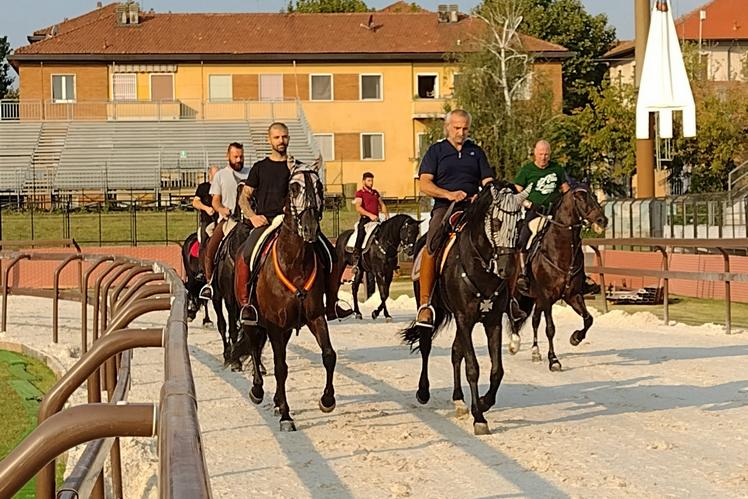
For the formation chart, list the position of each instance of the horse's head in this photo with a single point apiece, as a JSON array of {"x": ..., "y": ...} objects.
[
  {"x": 499, "y": 209},
  {"x": 305, "y": 201},
  {"x": 586, "y": 209},
  {"x": 409, "y": 233}
]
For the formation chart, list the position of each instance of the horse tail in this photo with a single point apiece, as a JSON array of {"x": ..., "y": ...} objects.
[{"x": 442, "y": 317}]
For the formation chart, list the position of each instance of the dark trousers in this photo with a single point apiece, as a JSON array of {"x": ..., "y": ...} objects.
[{"x": 360, "y": 233}]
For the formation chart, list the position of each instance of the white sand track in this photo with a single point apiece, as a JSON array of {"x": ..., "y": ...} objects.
[{"x": 641, "y": 410}]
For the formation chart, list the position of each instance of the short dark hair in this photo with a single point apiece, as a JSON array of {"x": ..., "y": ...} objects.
[
  {"x": 279, "y": 125},
  {"x": 235, "y": 145},
  {"x": 367, "y": 175}
]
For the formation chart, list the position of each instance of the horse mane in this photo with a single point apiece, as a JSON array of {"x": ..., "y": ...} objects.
[
  {"x": 478, "y": 208},
  {"x": 389, "y": 228}
]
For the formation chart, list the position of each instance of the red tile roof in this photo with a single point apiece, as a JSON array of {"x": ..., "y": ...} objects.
[
  {"x": 403, "y": 6},
  {"x": 622, "y": 49},
  {"x": 77, "y": 22},
  {"x": 265, "y": 36},
  {"x": 725, "y": 20}
]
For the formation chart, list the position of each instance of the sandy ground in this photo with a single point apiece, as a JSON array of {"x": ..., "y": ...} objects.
[{"x": 641, "y": 410}]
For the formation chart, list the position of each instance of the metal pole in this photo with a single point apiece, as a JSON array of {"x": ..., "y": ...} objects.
[{"x": 728, "y": 297}]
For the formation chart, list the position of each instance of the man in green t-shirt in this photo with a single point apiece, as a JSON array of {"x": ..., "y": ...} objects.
[{"x": 547, "y": 181}]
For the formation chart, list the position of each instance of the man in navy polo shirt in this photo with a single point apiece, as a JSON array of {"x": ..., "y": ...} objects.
[
  {"x": 453, "y": 169},
  {"x": 368, "y": 204}
]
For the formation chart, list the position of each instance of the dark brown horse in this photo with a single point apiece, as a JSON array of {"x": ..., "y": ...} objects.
[
  {"x": 556, "y": 267},
  {"x": 473, "y": 288},
  {"x": 195, "y": 280},
  {"x": 289, "y": 294}
]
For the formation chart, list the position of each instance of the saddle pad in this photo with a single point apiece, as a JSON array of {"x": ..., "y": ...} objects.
[
  {"x": 536, "y": 225},
  {"x": 269, "y": 229},
  {"x": 368, "y": 231},
  {"x": 415, "y": 273},
  {"x": 195, "y": 249},
  {"x": 455, "y": 219}
]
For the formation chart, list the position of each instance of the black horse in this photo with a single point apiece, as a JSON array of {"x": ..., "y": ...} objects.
[
  {"x": 195, "y": 280},
  {"x": 380, "y": 260},
  {"x": 472, "y": 288},
  {"x": 556, "y": 267},
  {"x": 223, "y": 292}
]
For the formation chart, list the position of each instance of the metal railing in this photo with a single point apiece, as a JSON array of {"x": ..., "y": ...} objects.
[
  {"x": 737, "y": 181},
  {"x": 124, "y": 290},
  {"x": 666, "y": 247}
]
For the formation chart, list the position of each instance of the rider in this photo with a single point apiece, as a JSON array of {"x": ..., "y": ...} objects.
[
  {"x": 368, "y": 204},
  {"x": 202, "y": 202},
  {"x": 267, "y": 184},
  {"x": 452, "y": 170},
  {"x": 548, "y": 182},
  {"x": 223, "y": 189}
]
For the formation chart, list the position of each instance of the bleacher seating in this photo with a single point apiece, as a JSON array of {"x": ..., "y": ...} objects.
[{"x": 17, "y": 143}]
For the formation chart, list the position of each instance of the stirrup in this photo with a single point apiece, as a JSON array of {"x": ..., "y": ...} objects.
[
  {"x": 249, "y": 315},
  {"x": 339, "y": 312},
  {"x": 206, "y": 292},
  {"x": 422, "y": 323},
  {"x": 516, "y": 313}
]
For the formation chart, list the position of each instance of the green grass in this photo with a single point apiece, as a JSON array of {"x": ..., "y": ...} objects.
[{"x": 23, "y": 382}]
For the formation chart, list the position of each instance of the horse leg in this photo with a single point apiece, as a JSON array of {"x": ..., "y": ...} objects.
[
  {"x": 318, "y": 327},
  {"x": 493, "y": 333},
  {"x": 550, "y": 331},
  {"x": 221, "y": 324},
  {"x": 279, "y": 341},
  {"x": 535, "y": 350},
  {"x": 424, "y": 345},
  {"x": 472, "y": 372},
  {"x": 576, "y": 302},
  {"x": 382, "y": 296},
  {"x": 257, "y": 339},
  {"x": 385, "y": 296},
  {"x": 457, "y": 396},
  {"x": 206, "y": 319},
  {"x": 354, "y": 289},
  {"x": 233, "y": 321}
]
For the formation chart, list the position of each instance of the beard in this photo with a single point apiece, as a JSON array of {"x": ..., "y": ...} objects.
[
  {"x": 238, "y": 165},
  {"x": 280, "y": 148}
]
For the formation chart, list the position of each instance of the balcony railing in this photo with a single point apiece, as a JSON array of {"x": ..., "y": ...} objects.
[{"x": 183, "y": 109}]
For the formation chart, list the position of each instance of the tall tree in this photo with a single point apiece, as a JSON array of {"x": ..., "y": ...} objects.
[
  {"x": 6, "y": 80},
  {"x": 567, "y": 23},
  {"x": 326, "y": 6}
]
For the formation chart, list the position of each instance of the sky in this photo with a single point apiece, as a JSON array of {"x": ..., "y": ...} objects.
[{"x": 19, "y": 19}]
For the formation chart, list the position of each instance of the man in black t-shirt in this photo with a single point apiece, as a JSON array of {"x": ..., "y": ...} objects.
[
  {"x": 203, "y": 203},
  {"x": 267, "y": 185}
]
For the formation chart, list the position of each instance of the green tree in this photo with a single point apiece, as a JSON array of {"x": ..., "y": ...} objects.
[
  {"x": 326, "y": 6},
  {"x": 6, "y": 80},
  {"x": 567, "y": 23}
]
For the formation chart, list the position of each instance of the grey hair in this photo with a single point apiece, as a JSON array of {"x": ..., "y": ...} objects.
[
  {"x": 542, "y": 142},
  {"x": 457, "y": 112}
]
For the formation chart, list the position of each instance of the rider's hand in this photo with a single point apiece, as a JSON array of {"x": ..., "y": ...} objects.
[
  {"x": 456, "y": 196},
  {"x": 210, "y": 211},
  {"x": 258, "y": 220},
  {"x": 224, "y": 212},
  {"x": 527, "y": 204},
  {"x": 373, "y": 218}
]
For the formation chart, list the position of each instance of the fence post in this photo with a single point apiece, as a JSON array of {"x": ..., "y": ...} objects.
[{"x": 728, "y": 297}]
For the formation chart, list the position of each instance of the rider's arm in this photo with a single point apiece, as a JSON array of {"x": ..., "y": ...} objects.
[
  {"x": 198, "y": 205},
  {"x": 565, "y": 187},
  {"x": 244, "y": 203},
  {"x": 429, "y": 188},
  {"x": 383, "y": 209},
  {"x": 218, "y": 206},
  {"x": 358, "y": 205},
  {"x": 486, "y": 180}
]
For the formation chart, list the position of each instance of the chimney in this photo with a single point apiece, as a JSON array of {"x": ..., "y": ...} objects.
[
  {"x": 127, "y": 13},
  {"x": 454, "y": 14},
  {"x": 448, "y": 13},
  {"x": 98, "y": 5}
]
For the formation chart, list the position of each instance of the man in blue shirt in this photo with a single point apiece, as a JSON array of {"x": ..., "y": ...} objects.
[{"x": 452, "y": 170}]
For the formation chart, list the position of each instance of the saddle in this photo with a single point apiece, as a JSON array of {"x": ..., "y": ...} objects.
[
  {"x": 370, "y": 229},
  {"x": 195, "y": 249},
  {"x": 538, "y": 227},
  {"x": 453, "y": 226}
]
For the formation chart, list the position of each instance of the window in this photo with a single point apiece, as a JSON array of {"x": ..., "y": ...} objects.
[
  {"x": 455, "y": 81},
  {"x": 371, "y": 87},
  {"x": 125, "y": 86},
  {"x": 220, "y": 88},
  {"x": 524, "y": 91},
  {"x": 162, "y": 87},
  {"x": 428, "y": 87},
  {"x": 421, "y": 144},
  {"x": 271, "y": 87},
  {"x": 326, "y": 142},
  {"x": 320, "y": 87},
  {"x": 372, "y": 146},
  {"x": 63, "y": 88}
]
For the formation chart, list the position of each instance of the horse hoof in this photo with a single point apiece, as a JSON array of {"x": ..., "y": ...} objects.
[
  {"x": 555, "y": 366},
  {"x": 423, "y": 398},
  {"x": 236, "y": 367},
  {"x": 575, "y": 338},
  {"x": 326, "y": 409},
  {"x": 536, "y": 357},
  {"x": 374, "y": 315},
  {"x": 481, "y": 429},
  {"x": 359, "y": 316},
  {"x": 287, "y": 426},
  {"x": 388, "y": 319},
  {"x": 208, "y": 324},
  {"x": 461, "y": 409},
  {"x": 514, "y": 343},
  {"x": 256, "y": 399}
]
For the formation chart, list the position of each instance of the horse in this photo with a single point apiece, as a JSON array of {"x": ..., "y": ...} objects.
[
  {"x": 289, "y": 294},
  {"x": 195, "y": 280},
  {"x": 556, "y": 267},
  {"x": 472, "y": 287},
  {"x": 380, "y": 260},
  {"x": 223, "y": 293}
]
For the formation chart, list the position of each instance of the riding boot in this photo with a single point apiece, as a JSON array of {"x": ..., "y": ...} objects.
[
  {"x": 523, "y": 281},
  {"x": 209, "y": 261},
  {"x": 425, "y": 317},
  {"x": 248, "y": 315},
  {"x": 334, "y": 309}
]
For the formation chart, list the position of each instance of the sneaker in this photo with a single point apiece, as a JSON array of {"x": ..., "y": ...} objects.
[
  {"x": 248, "y": 315},
  {"x": 523, "y": 285},
  {"x": 425, "y": 317},
  {"x": 339, "y": 311},
  {"x": 206, "y": 293}
]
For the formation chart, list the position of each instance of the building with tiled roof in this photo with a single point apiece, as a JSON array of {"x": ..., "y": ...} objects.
[
  {"x": 368, "y": 83},
  {"x": 722, "y": 30}
]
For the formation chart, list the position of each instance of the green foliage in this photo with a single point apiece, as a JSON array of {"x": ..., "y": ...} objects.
[
  {"x": 567, "y": 23},
  {"x": 326, "y": 6},
  {"x": 5, "y": 77}
]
